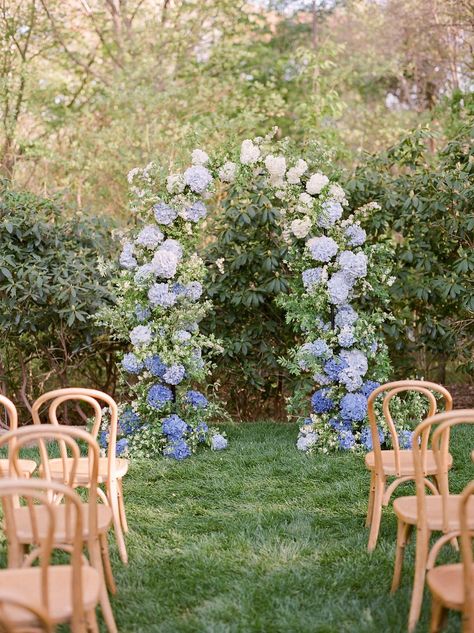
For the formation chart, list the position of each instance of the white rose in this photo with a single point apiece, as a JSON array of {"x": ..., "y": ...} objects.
[
  {"x": 228, "y": 172},
  {"x": 249, "y": 153},
  {"x": 306, "y": 199},
  {"x": 175, "y": 183},
  {"x": 316, "y": 183},
  {"x": 301, "y": 228},
  {"x": 198, "y": 157}
]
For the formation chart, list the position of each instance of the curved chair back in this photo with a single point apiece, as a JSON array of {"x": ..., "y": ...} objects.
[
  {"x": 35, "y": 495},
  {"x": 33, "y": 613},
  {"x": 391, "y": 389},
  {"x": 92, "y": 397},
  {"x": 12, "y": 414},
  {"x": 466, "y": 552}
]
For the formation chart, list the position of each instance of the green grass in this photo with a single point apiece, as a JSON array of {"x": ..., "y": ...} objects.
[{"x": 261, "y": 538}]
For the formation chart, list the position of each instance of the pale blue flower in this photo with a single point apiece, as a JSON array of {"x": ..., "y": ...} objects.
[
  {"x": 346, "y": 337},
  {"x": 121, "y": 447},
  {"x": 149, "y": 237},
  {"x": 164, "y": 214},
  {"x": 177, "y": 450},
  {"x": 305, "y": 442},
  {"x": 182, "y": 336},
  {"x": 353, "y": 407},
  {"x": 331, "y": 213},
  {"x": 339, "y": 288},
  {"x": 353, "y": 265},
  {"x": 164, "y": 263},
  {"x": 405, "y": 439},
  {"x": 346, "y": 440},
  {"x": 355, "y": 359},
  {"x": 333, "y": 367},
  {"x": 127, "y": 259},
  {"x": 346, "y": 316},
  {"x": 311, "y": 277},
  {"x": 174, "y": 427},
  {"x": 144, "y": 273},
  {"x": 160, "y": 295},
  {"x": 141, "y": 335},
  {"x": 218, "y": 442},
  {"x": 131, "y": 364},
  {"x": 322, "y": 249},
  {"x": 142, "y": 313},
  {"x": 197, "y": 211},
  {"x": 198, "y": 178},
  {"x": 158, "y": 396},
  {"x": 174, "y": 246},
  {"x": 366, "y": 438},
  {"x": 174, "y": 374},
  {"x": 193, "y": 290},
  {"x": 350, "y": 378},
  {"x": 356, "y": 235}
]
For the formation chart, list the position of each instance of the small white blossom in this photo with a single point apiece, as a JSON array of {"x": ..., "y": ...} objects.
[
  {"x": 220, "y": 265},
  {"x": 337, "y": 193},
  {"x": 228, "y": 172},
  {"x": 276, "y": 166},
  {"x": 249, "y": 153},
  {"x": 280, "y": 194},
  {"x": 198, "y": 157},
  {"x": 132, "y": 173},
  {"x": 294, "y": 173},
  {"x": 301, "y": 228},
  {"x": 175, "y": 183},
  {"x": 306, "y": 199},
  {"x": 316, "y": 183}
]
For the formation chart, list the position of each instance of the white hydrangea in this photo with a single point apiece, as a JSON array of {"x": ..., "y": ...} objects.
[
  {"x": 199, "y": 157},
  {"x": 276, "y": 166},
  {"x": 228, "y": 172},
  {"x": 306, "y": 199},
  {"x": 337, "y": 193},
  {"x": 175, "y": 183},
  {"x": 249, "y": 153},
  {"x": 294, "y": 173},
  {"x": 316, "y": 183},
  {"x": 301, "y": 228},
  {"x": 165, "y": 263}
]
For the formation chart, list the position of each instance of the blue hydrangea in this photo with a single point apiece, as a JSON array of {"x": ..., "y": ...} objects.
[
  {"x": 333, "y": 367},
  {"x": 346, "y": 337},
  {"x": 321, "y": 379},
  {"x": 355, "y": 359},
  {"x": 340, "y": 425},
  {"x": 164, "y": 263},
  {"x": 353, "y": 407},
  {"x": 164, "y": 214},
  {"x": 174, "y": 374},
  {"x": 218, "y": 442},
  {"x": 131, "y": 364},
  {"x": 177, "y": 450},
  {"x": 178, "y": 289},
  {"x": 158, "y": 396},
  {"x": 149, "y": 237},
  {"x": 356, "y": 235},
  {"x": 339, "y": 287},
  {"x": 322, "y": 249},
  {"x": 366, "y": 438},
  {"x": 345, "y": 316},
  {"x": 160, "y": 295},
  {"x": 368, "y": 387},
  {"x": 305, "y": 442},
  {"x": 197, "y": 211},
  {"x": 129, "y": 421},
  {"x": 174, "y": 246},
  {"x": 374, "y": 347},
  {"x": 353, "y": 265},
  {"x": 346, "y": 440},
  {"x": 182, "y": 336},
  {"x": 311, "y": 277},
  {"x": 141, "y": 335},
  {"x": 144, "y": 273},
  {"x": 350, "y": 378},
  {"x": 321, "y": 402},
  {"x": 197, "y": 357},
  {"x": 331, "y": 212},
  {"x": 202, "y": 430},
  {"x": 103, "y": 439},
  {"x": 127, "y": 260},
  {"x": 196, "y": 399},
  {"x": 174, "y": 427},
  {"x": 316, "y": 348},
  {"x": 405, "y": 439},
  {"x": 155, "y": 366},
  {"x": 198, "y": 178},
  {"x": 193, "y": 290},
  {"x": 143, "y": 313},
  {"x": 121, "y": 447}
]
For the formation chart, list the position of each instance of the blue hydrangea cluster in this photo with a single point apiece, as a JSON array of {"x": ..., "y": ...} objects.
[
  {"x": 149, "y": 237},
  {"x": 155, "y": 366},
  {"x": 355, "y": 235},
  {"x": 311, "y": 277},
  {"x": 129, "y": 421},
  {"x": 331, "y": 213},
  {"x": 164, "y": 214},
  {"x": 127, "y": 259},
  {"x": 193, "y": 290},
  {"x": 174, "y": 427},
  {"x": 218, "y": 442},
  {"x": 366, "y": 438},
  {"x": 144, "y": 273},
  {"x": 339, "y": 287},
  {"x": 198, "y": 178},
  {"x": 174, "y": 246},
  {"x": 158, "y": 396},
  {"x": 196, "y": 399},
  {"x": 197, "y": 211},
  {"x": 160, "y": 295},
  {"x": 141, "y": 335},
  {"x": 353, "y": 407},
  {"x": 177, "y": 450},
  {"x": 346, "y": 316},
  {"x": 321, "y": 402},
  {"x": 131, "y": 364},
  {"x": 121, "y": 447},
  {"x": 323, "y": 248},
  {"x": 143, "y": 313},
  {"x": 333, "y": 367},
  {"x": 174, "y": 374},
  {"x": 353, "y": 265}
]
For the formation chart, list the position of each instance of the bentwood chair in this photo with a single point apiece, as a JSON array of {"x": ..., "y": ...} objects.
[
  {"x": 452, "y": 586},
  {"x": 396, "y": 463},
  {"x": 97, "y": 518},
  {"x": 111, "y": 468},
  {"x": 65, "y": 593},
  {"x": 28, "y": 466},
  {"x": 35, "y": 617},
  {"x": 429, "y": 513}
]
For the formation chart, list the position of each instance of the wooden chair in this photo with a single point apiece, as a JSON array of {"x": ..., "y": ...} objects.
[
  {"x": 28, "y": 466},
  {"x": 96, "y": 518},
  {"x": 111, "y": 469},
  {"x": 429, "y": 513},
  {"x": 452, "y": 586},
  {"x": 36, "y": 616},
  {"x": 62, "y": 593},
  {"x": 396, "y": 463}
]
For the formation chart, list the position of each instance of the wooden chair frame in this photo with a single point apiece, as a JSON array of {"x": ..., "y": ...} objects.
[
  {"x": 380, "y": 494},
  {"x": 7, "y": 626},
  {"x": 114, "y": 489},
  {"x": 28, "y": 466}
]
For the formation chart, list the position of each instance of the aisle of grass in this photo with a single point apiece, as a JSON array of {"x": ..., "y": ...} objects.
[{"x": 260, "y": 538}]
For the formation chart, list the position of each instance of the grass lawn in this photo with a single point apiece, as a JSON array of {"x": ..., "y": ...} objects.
[{"x": 261, "y": 538}]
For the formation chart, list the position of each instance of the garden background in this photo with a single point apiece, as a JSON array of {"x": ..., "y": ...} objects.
[{"x": 380, "y": 92}]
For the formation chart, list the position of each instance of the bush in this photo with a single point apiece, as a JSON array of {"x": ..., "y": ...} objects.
[
  {"x": 50, "y": 286},
  {"x": 427, "y": 212}
]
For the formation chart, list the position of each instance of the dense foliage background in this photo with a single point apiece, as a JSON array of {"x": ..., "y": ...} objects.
[{"x": 90, "y": 90}]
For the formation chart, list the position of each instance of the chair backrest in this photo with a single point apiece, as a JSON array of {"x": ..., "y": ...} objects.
[
  {"x": 35, "y": 495},
  {"x": 41, "y": 435},
  {"x": 392, "y": 389},
  {"x": 92, "y": 397},
  {"x": 466, "y": 552},
  {"x": 12, "y": 414},
  {"x": 11, "y": 609}
]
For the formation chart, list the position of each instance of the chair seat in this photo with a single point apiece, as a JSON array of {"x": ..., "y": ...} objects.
[
  {"x": 28, "y": 467},
  {"x": 407, "y": 468},
  {"x": 25, "y": 533},
  {"x": 405, "y": 508},
  {"x": 82, "y": 474},
  {"x": 24, "y": 583},
  {"x": 446, "y": 583}
]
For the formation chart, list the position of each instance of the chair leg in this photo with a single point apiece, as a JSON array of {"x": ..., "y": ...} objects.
[
  {"x": 403, "y": 530},
  {"x": 104, "y": 601},
  {"x": 376, "y": 513},
  {"x": 422, "y": 545},
  {"x": 92, "y": 625},
  {"x": 112, "y": 493},
  {"x": 438, "y": 615},
  {"x": 123, "y": 516},
  {"x": 109, "y": 575},
  {"x": 370, "y": 508}
]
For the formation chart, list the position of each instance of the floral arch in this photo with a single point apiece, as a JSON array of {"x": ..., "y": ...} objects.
[{"x": 337, "y": 303}]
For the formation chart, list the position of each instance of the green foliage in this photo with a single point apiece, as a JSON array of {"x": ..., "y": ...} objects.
[
  {"x": 246, "y": 272},
  {"x": 50, "y": 285},
  {"x": 427, "y": 213}
]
